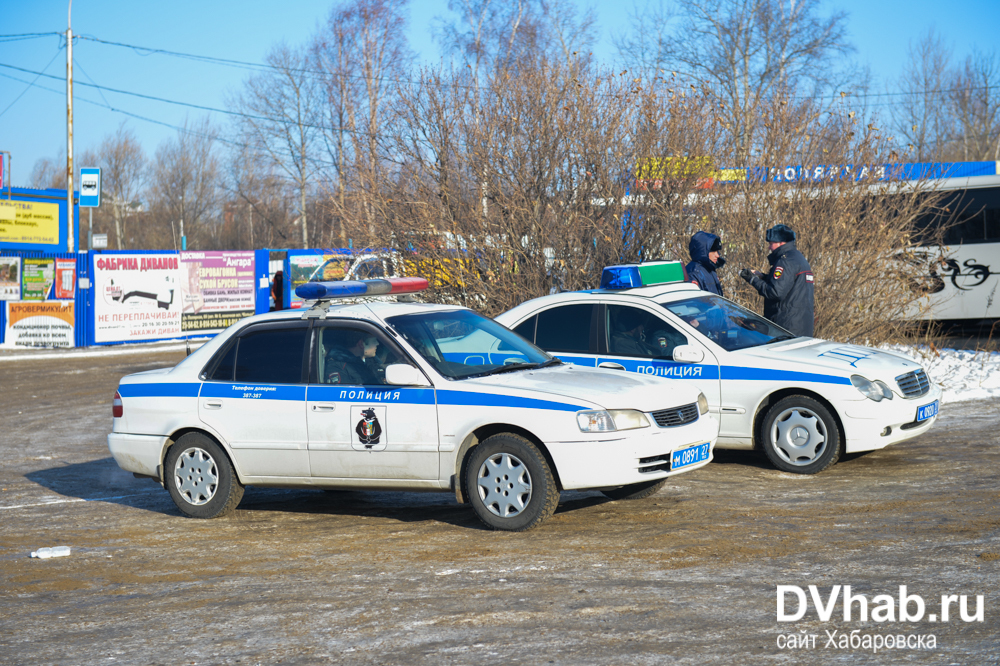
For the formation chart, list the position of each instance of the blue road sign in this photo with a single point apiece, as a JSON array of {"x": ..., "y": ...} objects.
[{"x": 90, "y": 187}]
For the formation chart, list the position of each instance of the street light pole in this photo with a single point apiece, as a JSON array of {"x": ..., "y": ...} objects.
[{"x": 70, "y": 235}]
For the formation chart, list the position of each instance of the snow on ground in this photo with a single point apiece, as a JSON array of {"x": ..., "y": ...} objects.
[{"x": 962, "y": 374}]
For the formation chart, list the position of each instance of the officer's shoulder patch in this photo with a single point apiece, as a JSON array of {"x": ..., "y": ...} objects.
[{"x": 777, "y": 272}]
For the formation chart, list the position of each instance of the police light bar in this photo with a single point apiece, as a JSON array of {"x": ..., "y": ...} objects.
[
  {"x": 628, "y": 276},
  {"x": 356, "y": 288}
]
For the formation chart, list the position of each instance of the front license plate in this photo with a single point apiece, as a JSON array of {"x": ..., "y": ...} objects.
[
  {"x": 689, "y": 456},
  {"x": 927, "y": 411}
]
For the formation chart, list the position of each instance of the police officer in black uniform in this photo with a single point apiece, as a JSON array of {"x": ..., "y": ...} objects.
[
  {"x": 706, "y": 259},
  {"x": 788, "y": 288}
]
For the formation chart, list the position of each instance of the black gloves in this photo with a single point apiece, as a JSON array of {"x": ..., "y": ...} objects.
[{"x": 746, "y": 274}]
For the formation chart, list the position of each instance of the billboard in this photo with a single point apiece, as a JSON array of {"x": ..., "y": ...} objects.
[
  {"x": 10, "y": 278},
  {"x": 217, "y": 289},
  {"x": 37, "y": 277},
  {"x": 29, "y": 222},
  {"x": 45, "y": 324},
  {"x": 136, "y": 297}
]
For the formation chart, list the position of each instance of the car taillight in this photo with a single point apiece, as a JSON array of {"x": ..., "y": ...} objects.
[{"x": 117, "y": 409}]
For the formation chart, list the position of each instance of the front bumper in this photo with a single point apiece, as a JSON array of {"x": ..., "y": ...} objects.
[
  {"x": 141, "y": 454},
  {"x": 616, "y": 462},
  {"x": 865, "y": 421}
]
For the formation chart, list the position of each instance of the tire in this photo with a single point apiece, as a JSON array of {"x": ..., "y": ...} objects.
[
  {"x": 635, "y": 491},
  {"x": 509, "y": 483},
  {"x": 800, "y": 435},
  {"x": 200, "y": 478}
]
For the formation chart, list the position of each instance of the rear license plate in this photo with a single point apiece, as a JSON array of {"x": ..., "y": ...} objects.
[
  {"x": 689, "y": 456},
  {"x": 927, "y": 411}
]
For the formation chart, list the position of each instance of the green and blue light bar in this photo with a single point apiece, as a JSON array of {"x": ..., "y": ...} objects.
[{"x": 647, "y": 274}]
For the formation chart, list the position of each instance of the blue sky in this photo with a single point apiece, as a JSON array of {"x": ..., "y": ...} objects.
[{"x": 34, "y": 126}]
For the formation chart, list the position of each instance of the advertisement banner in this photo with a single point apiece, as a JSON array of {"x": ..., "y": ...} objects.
[
  {"x": 37, "y": 276},
  {"x": 29, "y": 222},
  {"x": 65, "y": 278},
  {"x": 45, "y": 324},
  {"x": 10, "y": 278},
  {"x": 302, "y": 268},
  {"x": 136, "y": 297},
  {"x": 218, "y": 289}
]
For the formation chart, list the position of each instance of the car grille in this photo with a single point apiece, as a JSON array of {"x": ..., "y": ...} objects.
[
  {"x": 676, "y": 416},
  {"x": 914, "y": 384}
]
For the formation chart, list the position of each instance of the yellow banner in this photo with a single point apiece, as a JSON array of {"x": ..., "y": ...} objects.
[{"x": 29, "y": 222}]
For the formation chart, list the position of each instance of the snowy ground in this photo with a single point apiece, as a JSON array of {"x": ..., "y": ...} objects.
[{"x": 962, "y": 374}]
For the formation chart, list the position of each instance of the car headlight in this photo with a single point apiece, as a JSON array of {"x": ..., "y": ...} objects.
[
  {"x": 873, "y": 390},
  {"x": 702, "y": 404},
  {"x": 602, "y": 420}
]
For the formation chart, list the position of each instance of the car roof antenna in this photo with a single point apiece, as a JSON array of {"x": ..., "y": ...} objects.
[{"x": 187, "y": 346}]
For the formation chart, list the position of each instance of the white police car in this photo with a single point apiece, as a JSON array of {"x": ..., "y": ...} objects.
[
  {"x": 804, "y": 401},
  {"x": 402, "y": 396}
]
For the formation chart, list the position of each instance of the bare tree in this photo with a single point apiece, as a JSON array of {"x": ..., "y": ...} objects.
[
  {"x": 974, "y": 102},
  {"x": 48, "y": 173},
  {"x": 185, "y": 182},
  {"x": 280, "y": 120},
  {"x": 920, "y": 118},
  {"x": 123, "y": 174},
  {"x": 749, "y": 52}
]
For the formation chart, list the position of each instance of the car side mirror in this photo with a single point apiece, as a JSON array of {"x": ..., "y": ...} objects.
[
  {"x": 401, "y": 374},
  {"x": 688, "y": 354}
]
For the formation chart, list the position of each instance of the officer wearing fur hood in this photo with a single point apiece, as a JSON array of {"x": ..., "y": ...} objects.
[{"x": 788, "y": 288}]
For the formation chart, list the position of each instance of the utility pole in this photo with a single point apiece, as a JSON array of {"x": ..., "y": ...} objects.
[{"x": 70, "y": 234}]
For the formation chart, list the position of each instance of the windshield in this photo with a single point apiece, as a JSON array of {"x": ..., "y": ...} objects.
[
  {"x": 462, "y": 344},
  {"x": 726, "y": 324}
]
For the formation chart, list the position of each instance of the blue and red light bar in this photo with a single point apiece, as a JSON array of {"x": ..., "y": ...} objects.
[
  {"x": 629, "y": 276},
  {"x": 357, "y": 288}
]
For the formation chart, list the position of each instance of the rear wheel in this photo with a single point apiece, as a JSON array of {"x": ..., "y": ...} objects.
[
  {"x": 509, "y": 483},
  {"x": 635, "y": 491},
  {"x": 800, "y": 435},
  {"x": 200, "y": 478}
]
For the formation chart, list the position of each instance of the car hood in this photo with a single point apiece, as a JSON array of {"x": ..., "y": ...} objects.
[
  {"x": 813, "y": 354},
  {"x": 609, "y": 389}
]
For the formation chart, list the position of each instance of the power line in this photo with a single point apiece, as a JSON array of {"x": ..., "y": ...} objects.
[{"x": 28, "y": 87}]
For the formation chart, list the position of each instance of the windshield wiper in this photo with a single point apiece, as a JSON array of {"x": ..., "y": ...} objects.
[
  {"x": 512, "y": 367},
  {"x": 781, "y": 338},
  {"x": 550, "y": 363}
]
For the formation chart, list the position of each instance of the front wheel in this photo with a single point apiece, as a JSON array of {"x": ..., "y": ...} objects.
[
  {"x": 200, "y": 479},
  {"x": 509, "y": 483},
  {"x": 635, "y": 491},
  {"x": 800, "y": 435}
]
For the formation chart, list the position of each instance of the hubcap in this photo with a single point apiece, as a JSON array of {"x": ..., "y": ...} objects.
[
  {"x": 196, "y": 476},
  {"x": 504, "y": 485},
  {"x": 798, "y": 436}
]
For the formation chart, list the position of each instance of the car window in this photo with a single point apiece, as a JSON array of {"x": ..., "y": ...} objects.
[
  {"x": 565, "y": 328},
  {"x": 638, "y": 333},
  {"x": 226, "y": 365},
  {"x": 526, "y": 329},
  {"x": 729, "y": 325},
  {"x": 369, "y": 269},
  {"x": 461, "y": 344},
  {"x": 271, "y": 356},
  {"x": 353, "y": 355}
]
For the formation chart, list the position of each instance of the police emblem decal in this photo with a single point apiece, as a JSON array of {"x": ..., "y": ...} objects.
[
  {"x": 777, "y": 272},
  {"x": 369, "y": 429}
]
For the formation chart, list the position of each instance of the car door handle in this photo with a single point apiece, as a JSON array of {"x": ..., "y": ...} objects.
[
  {"x": 611, "y": 366},
  {"x": 213, "y": 404},
  {"x": 323, "y": 407}
]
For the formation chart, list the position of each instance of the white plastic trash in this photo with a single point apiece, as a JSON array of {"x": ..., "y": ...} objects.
[{"x": 45, "y": 553}]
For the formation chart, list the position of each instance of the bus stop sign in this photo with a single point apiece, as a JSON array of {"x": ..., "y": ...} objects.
[{"x": 90, "y": 187}]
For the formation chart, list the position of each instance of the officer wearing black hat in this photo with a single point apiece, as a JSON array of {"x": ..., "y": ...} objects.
[{"x": 788, "y": 288}]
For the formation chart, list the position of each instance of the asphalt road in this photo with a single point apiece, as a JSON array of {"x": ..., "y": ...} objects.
[{"x": 304, "y": 577}]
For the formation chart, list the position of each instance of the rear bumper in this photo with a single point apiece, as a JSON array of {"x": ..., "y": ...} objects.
[
  {"x": 141, "y": 454},
  {"x": 632, "y": 457}
]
